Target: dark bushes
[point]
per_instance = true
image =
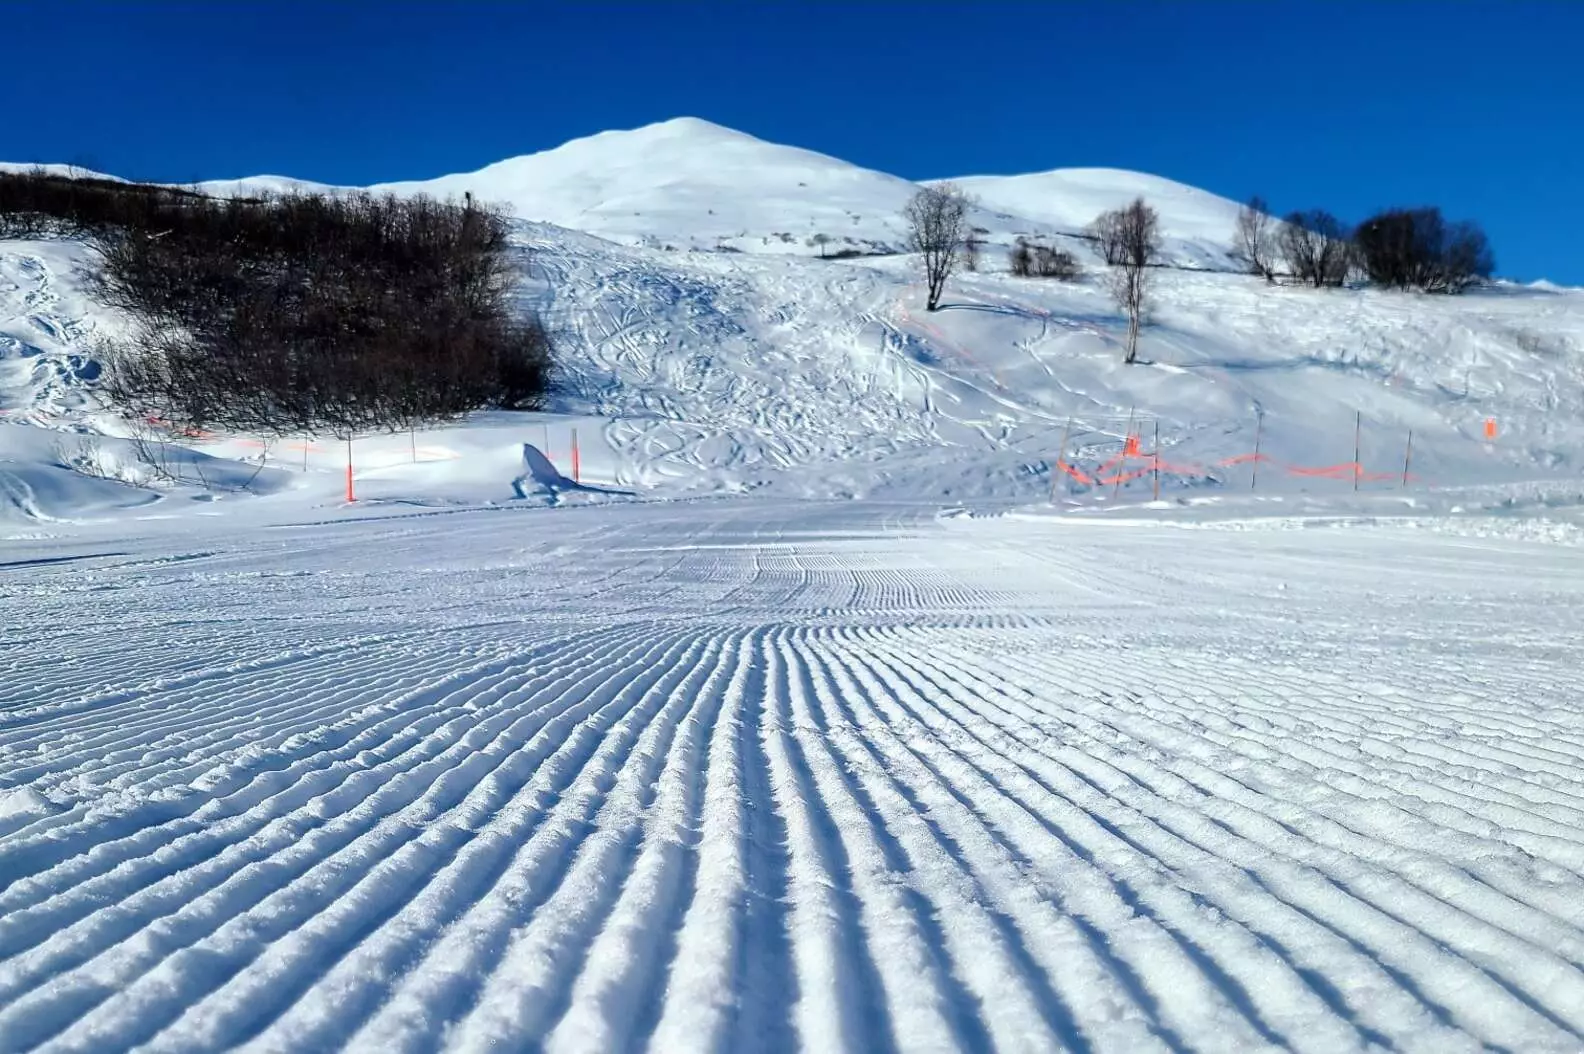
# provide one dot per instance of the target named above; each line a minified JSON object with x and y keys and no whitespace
{"x":36,"y":204}
{"x":1033,"y":259}
{"x":298,"y":313}
{"x":1316,"y":248}
{"x":1417,"y":249}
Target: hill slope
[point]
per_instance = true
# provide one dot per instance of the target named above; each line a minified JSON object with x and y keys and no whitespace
{"x":1195,"y":225}
{"x":689,"y":371}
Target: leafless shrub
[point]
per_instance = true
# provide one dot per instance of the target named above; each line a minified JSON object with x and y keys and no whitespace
{"x":1020,"y":259}
{"x":1035,"y":259}
{"x":86,"y":456}
{"x":1254,"y":238}
{"x":1418,"y":249}
{"x":1106,"y":231}
{"x":298,"y":313}
{"x":1316,"y":248}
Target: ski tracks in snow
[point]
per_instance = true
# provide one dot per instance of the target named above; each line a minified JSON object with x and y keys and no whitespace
{"x":826,"y":777}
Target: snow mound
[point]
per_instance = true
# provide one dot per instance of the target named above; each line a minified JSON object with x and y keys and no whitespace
{"x":1195,"y":224}
{"x":687,"y":181}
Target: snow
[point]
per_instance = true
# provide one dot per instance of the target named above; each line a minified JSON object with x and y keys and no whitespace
{"x":1195,"y":228}
{"x":817,"y":707}
{"x":773,"y":773}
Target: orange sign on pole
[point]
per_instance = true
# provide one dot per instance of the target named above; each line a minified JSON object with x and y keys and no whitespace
{"x":1490,"y":428}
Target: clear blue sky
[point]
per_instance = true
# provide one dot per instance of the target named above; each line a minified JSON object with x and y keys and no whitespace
{"x":1474,"y":105}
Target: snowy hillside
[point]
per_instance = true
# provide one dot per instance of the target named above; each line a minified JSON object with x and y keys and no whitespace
{"x":707,"y":371}
{"x":1196,"y":226}
{"x":819,"y":673}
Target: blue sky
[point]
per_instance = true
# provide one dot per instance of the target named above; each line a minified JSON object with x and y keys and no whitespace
{"x":1473,"y":106}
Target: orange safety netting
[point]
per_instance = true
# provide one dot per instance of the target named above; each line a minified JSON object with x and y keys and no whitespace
{"x":1117,"y":472}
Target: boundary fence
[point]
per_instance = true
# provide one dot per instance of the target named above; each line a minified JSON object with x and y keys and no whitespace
{"x":1132,"y":462}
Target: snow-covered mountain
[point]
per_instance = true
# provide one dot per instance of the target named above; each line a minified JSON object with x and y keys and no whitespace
{"x":692,"y":369}
{"x":1195,"y":224}
{"x":689,"y":183}
{"x":692,"y":183}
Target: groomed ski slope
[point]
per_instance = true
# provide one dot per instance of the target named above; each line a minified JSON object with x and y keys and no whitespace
{"x":763,"y":775}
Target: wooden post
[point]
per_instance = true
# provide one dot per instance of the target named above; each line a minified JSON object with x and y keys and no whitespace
{"x":1127,"y":441}
{"x":1358,"y":425}
{"x":412,"y":436}
{"x":1259,"y":433}
{"x":1156,"y":454}
{"x":307,"y":442}
{"x":1407,"y":459}
{"x":874,"y":371}
{"x":1061,"y":460}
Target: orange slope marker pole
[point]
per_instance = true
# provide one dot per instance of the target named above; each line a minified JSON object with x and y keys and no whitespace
{"x":577,"y":475}
{"x":350,"y":496}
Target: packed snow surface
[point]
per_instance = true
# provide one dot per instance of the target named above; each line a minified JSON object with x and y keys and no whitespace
{"x":762,"y":775}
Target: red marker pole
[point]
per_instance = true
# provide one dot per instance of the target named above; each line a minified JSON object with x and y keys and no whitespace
{"x":577,"y":475}
{"x":350,"y":497}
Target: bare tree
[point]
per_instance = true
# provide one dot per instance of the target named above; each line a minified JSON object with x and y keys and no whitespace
{"x":1106,"y":230}
{"x":973,"y":245}
{"x":1055,"y":263}
{"x":1020,"y":260}
{"x":1137,"y":229}
{"x":821,"y":240}
{"x":936,"y":218}
{"x":1254,"y":238}
{"x":1316,"y":247}
{"x":1417,"y":248}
